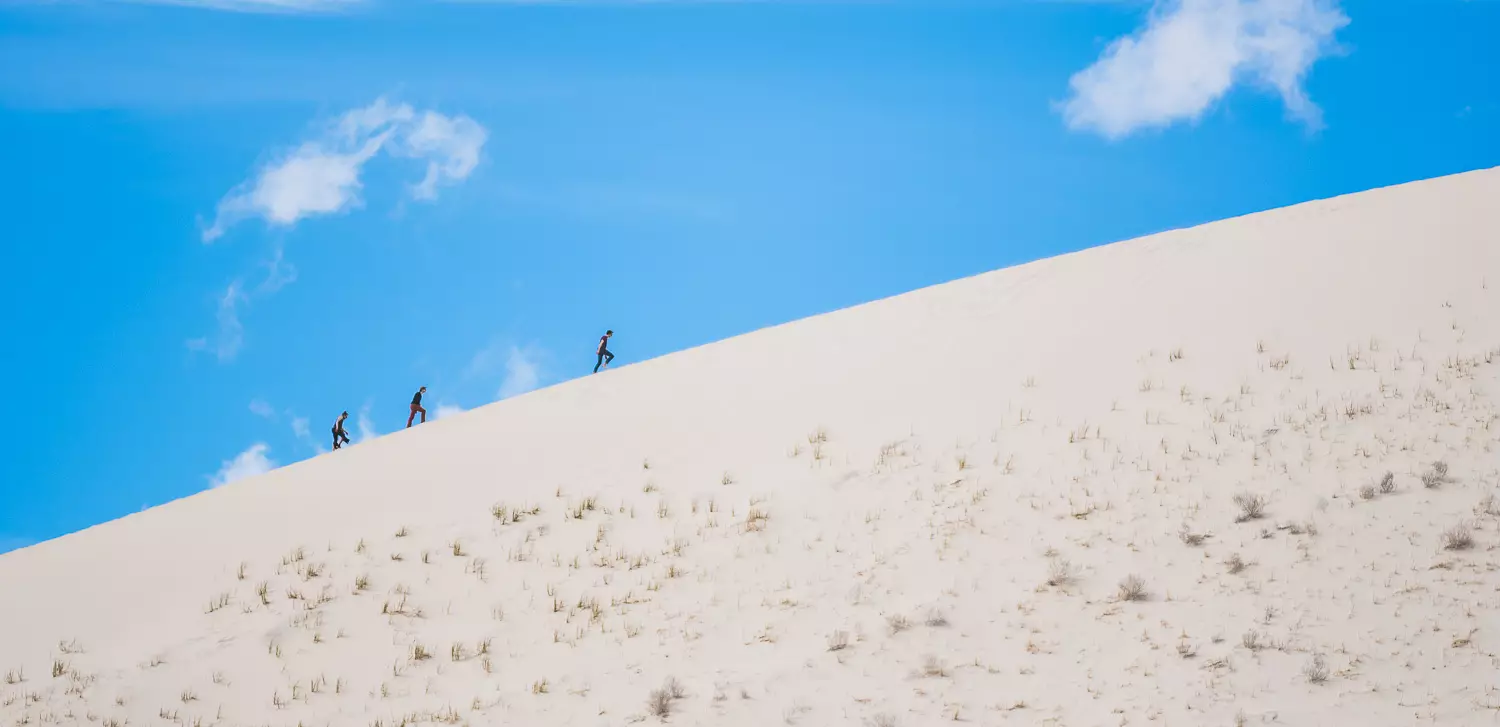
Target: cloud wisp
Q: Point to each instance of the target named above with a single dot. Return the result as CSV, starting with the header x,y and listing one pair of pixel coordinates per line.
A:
x,y
1191,53
323,175
226,342
523,372
249,463
262,409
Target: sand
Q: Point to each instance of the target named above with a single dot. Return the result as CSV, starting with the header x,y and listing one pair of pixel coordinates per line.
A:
x,y
916,510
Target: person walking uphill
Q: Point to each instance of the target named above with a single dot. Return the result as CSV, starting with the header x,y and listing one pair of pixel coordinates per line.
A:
x,y
340,437
416,407
603,351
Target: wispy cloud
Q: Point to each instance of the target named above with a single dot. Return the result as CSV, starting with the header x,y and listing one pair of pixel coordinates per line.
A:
x,y
523,371
1190,53
446,410
262,408
519,368
365,428
226,343
322,175
249,463
450,144
279,273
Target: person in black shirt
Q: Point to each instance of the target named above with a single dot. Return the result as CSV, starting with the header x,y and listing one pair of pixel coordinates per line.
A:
x,y
416,407
603,351
340,437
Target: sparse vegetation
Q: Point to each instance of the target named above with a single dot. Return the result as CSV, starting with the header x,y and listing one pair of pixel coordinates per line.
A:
x,y
838,641
1234,563
1458,537
661,700
1435,476
756,519
934,667
1252,506
897,623
1488,505
1316,670
1132,588
1190,538
1388,483
1367,492
936,619
1059,571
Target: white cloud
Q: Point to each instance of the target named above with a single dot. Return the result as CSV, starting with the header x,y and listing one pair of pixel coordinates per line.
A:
x,y
450,144
261,408
446,410
231,335
364,427
301,428
248,463
279,273
322,176
522,372
1192,52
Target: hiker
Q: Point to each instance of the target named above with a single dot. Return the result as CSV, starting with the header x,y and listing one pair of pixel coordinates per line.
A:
x,y
340,437
603,351
416,406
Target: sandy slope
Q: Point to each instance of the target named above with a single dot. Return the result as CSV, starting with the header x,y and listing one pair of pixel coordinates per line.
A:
x,y
854,519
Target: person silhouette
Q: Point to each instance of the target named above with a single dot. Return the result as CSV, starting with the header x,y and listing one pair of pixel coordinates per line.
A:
x,y
603,351
340,437
416,408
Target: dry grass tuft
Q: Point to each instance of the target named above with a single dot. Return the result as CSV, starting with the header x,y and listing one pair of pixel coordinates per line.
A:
x,y
897,623
1235,563
838,641
1458,537
1252,506
1435,476
1367,492
1059,571
934,667
1132,588
1388,483
1316,670
661,700
1190,538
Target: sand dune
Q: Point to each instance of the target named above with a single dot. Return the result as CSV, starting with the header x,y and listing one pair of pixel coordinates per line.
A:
x,y
933,507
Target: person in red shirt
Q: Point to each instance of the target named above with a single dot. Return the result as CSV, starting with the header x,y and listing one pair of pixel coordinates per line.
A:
x,y
416,407
603,351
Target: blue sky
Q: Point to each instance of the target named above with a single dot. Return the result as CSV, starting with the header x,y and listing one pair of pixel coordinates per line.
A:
x,y
224,222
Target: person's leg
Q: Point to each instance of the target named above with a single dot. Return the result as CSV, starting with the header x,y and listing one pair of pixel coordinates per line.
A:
x,y
598,363
411,416
608,357
424,414
335,440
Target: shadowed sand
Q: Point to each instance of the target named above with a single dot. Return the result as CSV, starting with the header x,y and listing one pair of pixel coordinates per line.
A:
x,y
914,510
